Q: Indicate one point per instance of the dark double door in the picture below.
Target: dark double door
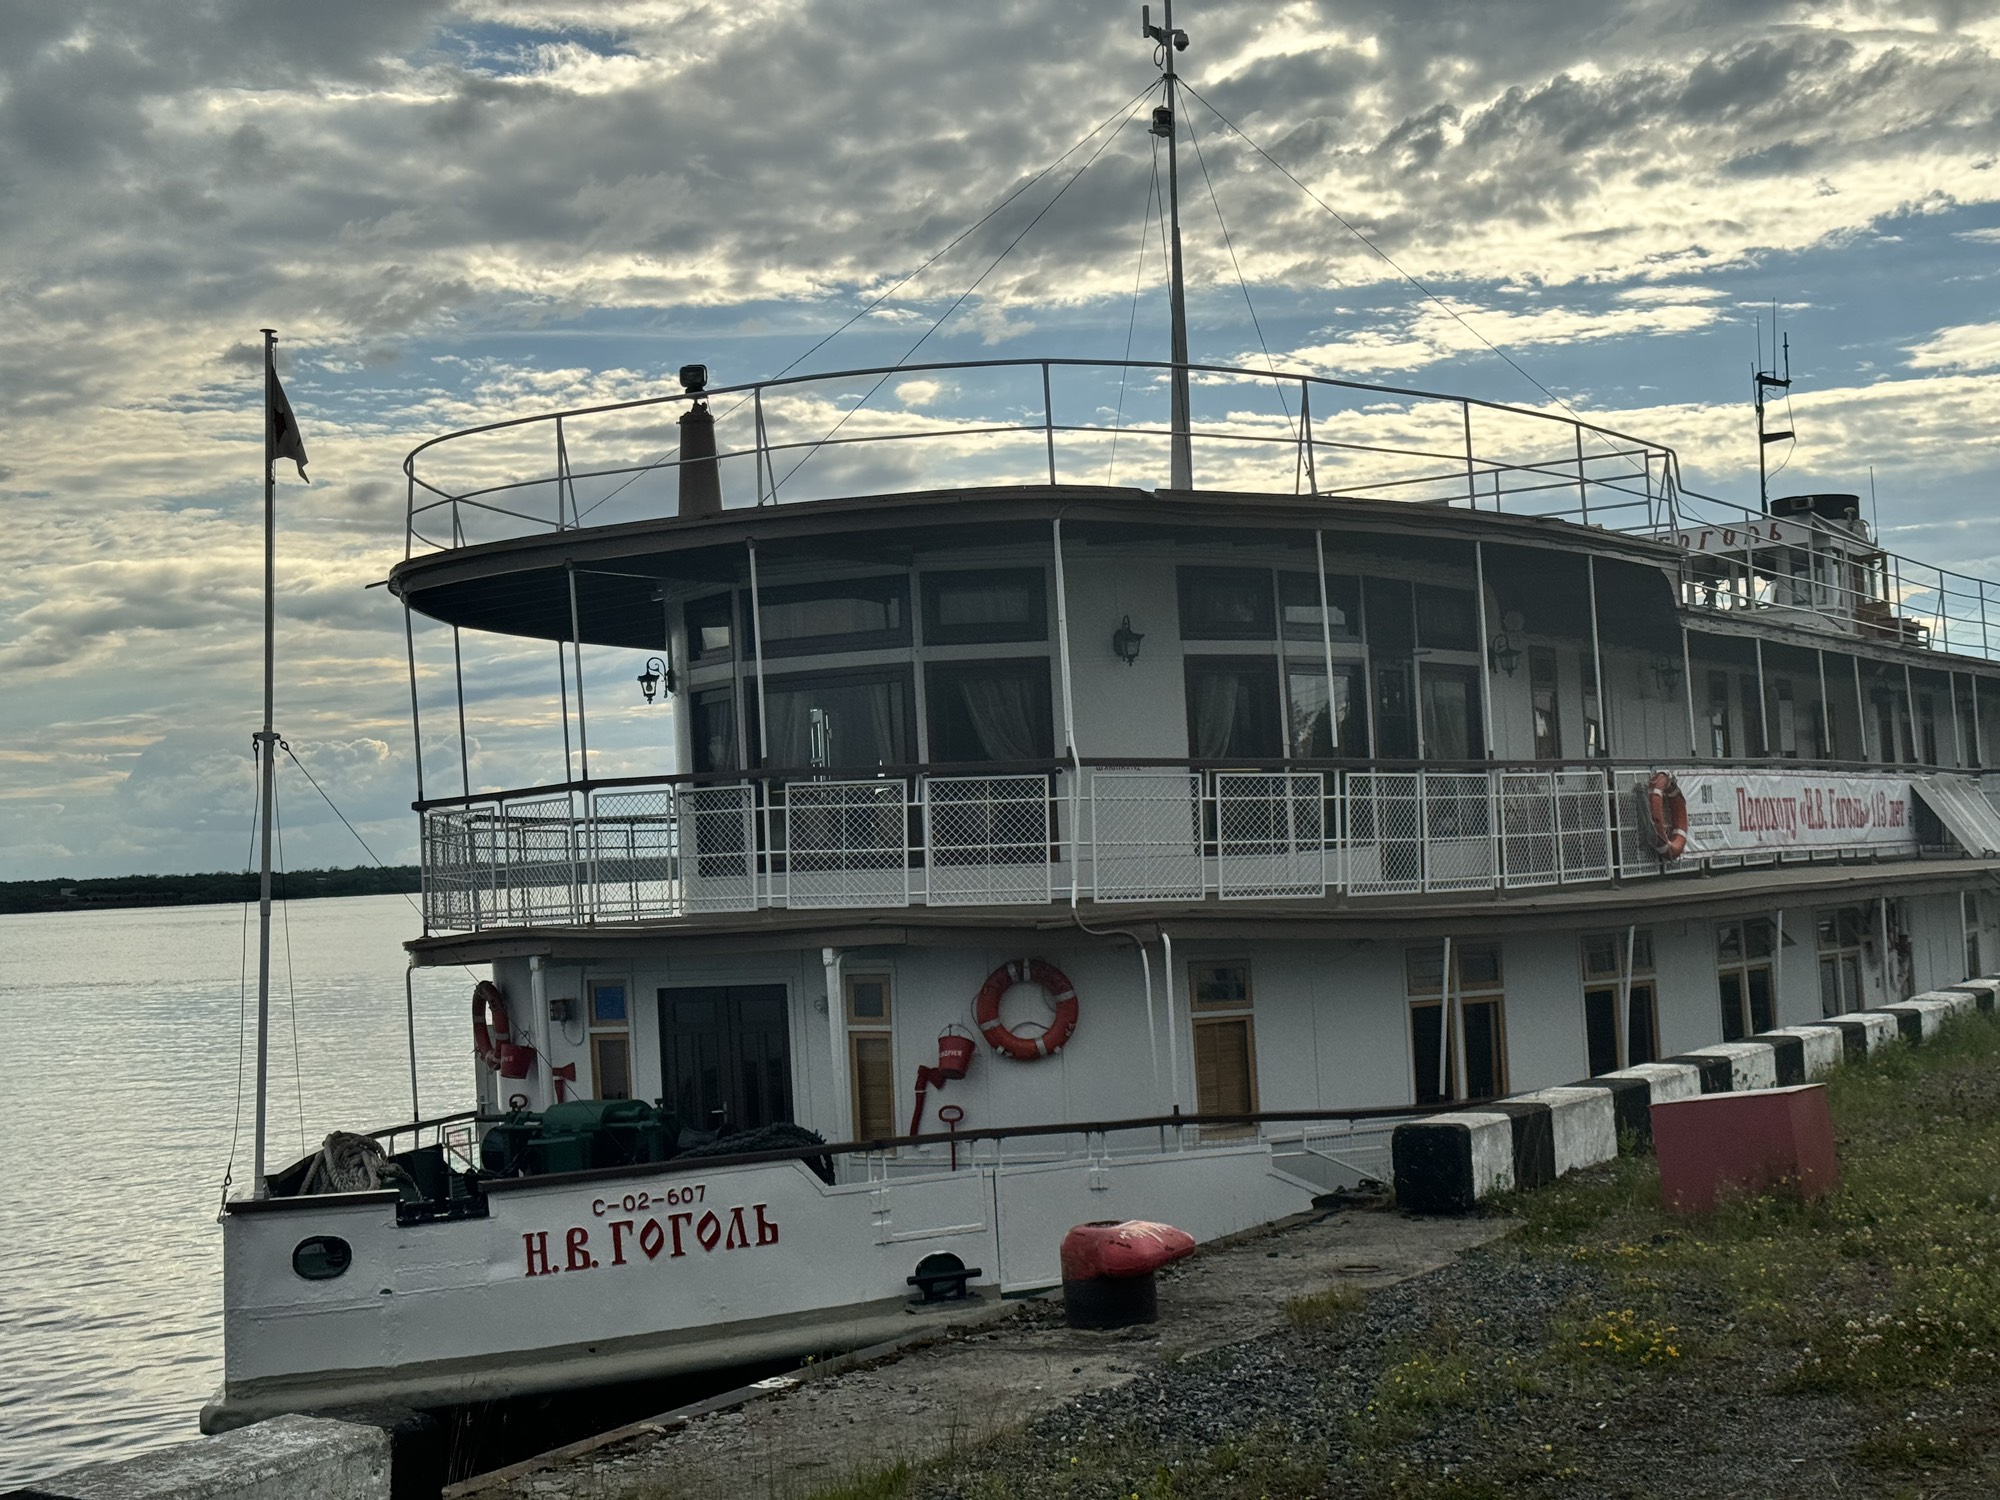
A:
(726, 1056)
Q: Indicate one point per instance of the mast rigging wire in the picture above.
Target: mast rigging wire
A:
(1216, 203)
(291, 988)
(1132, 324)
(243, 981)
(1391, 262)
(959, 301)
(1124, 110)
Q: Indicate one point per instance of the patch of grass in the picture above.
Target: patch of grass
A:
(891, 1482)
(1323, 1308)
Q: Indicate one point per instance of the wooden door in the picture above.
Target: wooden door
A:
(725, 1056)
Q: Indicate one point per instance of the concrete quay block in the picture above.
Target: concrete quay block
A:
(1984, 992)
(1583, 1126)
(1447, 1164)
(1752, 1064)
(1822, 1047)
(285, 1458)
(1866, 1032)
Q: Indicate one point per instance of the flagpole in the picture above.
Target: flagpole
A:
(267, 742)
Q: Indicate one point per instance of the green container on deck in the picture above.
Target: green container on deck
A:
(558, 1151)
(503, 1149)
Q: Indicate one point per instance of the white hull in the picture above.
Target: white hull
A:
(603, 1277)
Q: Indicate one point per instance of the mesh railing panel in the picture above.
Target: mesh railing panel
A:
(1582, 825)
(846, 844)
(1385, 851)
(1145, 829)
(1459, 850)
(988, 840)
(718, 848)
(1527, 829)
(1270, 834)
(450, 877)
(634, 836)
(541, 860)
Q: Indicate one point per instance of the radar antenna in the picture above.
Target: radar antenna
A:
(1760, 382)
(1171, 41)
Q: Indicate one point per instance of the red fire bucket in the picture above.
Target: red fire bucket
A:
(516, 1061)
(954, 1053)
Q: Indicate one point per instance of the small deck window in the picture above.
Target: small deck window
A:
(610, 1041)
(1232, 708)
(1604, 977)
(1743, 977)
(1298, 597)
(993, 604)
(710, 637)
(990, 710)
(1227, 604)
(871, 1056)
(1225, 1043)
(855, 614)
(1447, 618)
(1475, 1029)
(1839, 933)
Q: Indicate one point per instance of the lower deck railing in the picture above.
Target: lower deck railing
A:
(1110, 834)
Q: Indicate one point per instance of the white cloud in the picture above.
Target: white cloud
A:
(1975, 346)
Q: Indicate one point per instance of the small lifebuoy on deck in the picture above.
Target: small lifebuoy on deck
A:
(490, 1027)
(1667, 807)
(1055, 984)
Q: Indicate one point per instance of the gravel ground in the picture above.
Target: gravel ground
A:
(1295, 1405)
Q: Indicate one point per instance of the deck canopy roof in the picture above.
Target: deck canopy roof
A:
(521, 586)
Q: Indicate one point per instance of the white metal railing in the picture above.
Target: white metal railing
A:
(971, 424)
(1113, 834)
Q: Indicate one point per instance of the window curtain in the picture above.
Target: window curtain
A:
(1218, 700)
(1004, 714)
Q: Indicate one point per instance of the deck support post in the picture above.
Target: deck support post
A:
(836, 1030)
(1596, 665)
(1910, 708)
(1687, 684)
(1763, 700)
(763, 796)
(1861, 713)
(1173, 1024)
(1485, 662)
(1069, 716)
(1825, 709)
(1326, 647)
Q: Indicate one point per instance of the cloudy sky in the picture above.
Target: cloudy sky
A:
(458, 210)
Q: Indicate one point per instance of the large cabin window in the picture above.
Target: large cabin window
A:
(1604, 977)
(1718, 715)
(1753, 718)
(713, 727)
(855, 614)
(990, 710)
(1743, 977)
(843, 721)
(976, 608)
(1307, 725)
(1477, 992)
(1542, 690)
(1451, 713)
(1227, 604)
(1232, 708)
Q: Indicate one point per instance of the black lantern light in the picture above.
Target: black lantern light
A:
(657, 678)
(1125, 641)
(1668, 673)
(1503, 654)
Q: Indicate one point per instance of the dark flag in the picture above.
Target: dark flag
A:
(284, 430)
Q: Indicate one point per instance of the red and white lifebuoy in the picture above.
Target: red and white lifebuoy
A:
(1667, 809)
(1055, 984)
(490, 1027)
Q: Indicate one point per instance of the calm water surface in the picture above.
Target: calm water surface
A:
(121, 1055)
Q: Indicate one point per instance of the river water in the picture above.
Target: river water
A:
(121, 1047)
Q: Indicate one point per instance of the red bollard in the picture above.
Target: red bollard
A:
(1744, 1142)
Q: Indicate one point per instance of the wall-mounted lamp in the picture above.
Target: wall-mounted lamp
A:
(1125, 641)
(657, 678)
(1668, 672)
(1503, 654)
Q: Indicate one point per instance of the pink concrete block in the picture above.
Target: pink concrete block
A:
(1744, 1143)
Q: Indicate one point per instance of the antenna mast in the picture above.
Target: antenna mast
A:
(1171, 41)
(1761, 381)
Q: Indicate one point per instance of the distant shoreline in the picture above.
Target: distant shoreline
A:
(222, 888)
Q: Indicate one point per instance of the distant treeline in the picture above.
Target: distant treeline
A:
(64, 894)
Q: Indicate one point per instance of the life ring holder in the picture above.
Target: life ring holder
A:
(1667, 811)
(1054, 983)
(490, 1026)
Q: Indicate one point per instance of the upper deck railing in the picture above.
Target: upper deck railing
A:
(652, 849)
(1001, 422)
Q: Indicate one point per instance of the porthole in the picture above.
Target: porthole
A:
(322, 1257)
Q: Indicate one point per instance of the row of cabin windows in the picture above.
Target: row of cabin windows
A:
(1391, 614)
(1738, 720)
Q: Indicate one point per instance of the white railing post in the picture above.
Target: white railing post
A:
(1048, 421)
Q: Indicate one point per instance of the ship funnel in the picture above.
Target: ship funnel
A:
(701, 481)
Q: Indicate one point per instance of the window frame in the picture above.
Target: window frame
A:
(1484, 994)
(890, 586)
(1264, 628)
(1211, 1016)
(1609, 982)
(871, 1030)
(597, 1033)
(1740, 966)
(931, 583)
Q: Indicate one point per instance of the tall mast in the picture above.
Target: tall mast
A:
(1164, 125)
(267, 743)
(1760, 382)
